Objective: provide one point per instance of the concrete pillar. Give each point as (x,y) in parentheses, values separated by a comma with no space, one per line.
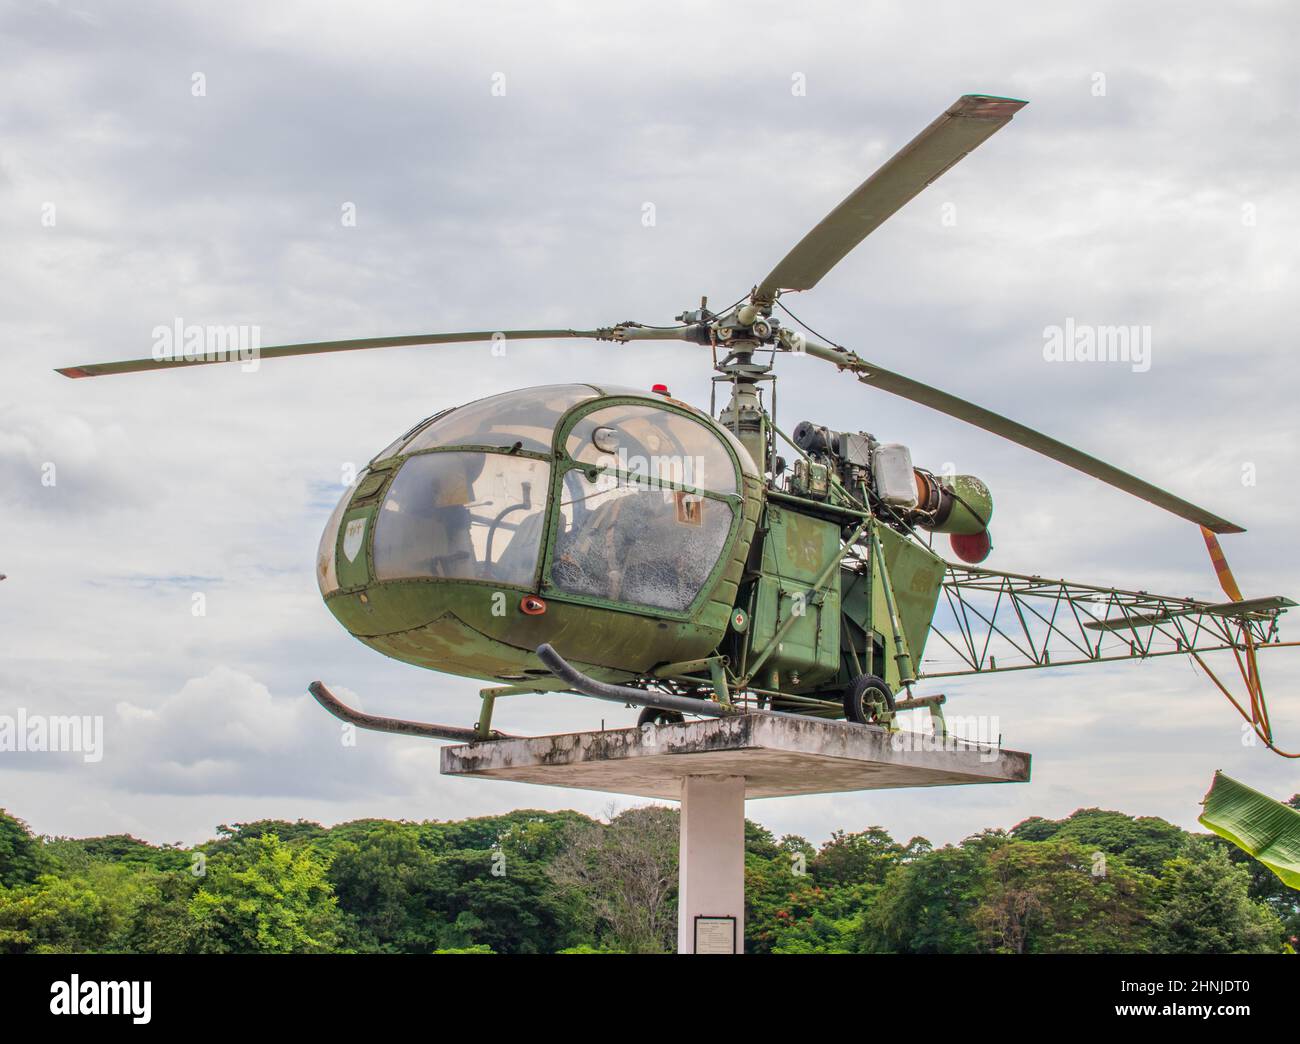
(711,857)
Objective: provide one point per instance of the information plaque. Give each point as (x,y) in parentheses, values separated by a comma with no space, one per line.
(715,934)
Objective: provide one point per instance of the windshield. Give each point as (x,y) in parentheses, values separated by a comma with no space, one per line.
(463,515)
(628,543)
(625,529)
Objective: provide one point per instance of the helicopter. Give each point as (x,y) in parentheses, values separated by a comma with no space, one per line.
(626,545)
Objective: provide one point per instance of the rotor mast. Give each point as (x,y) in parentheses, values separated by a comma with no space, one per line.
(740,333)
(744,415)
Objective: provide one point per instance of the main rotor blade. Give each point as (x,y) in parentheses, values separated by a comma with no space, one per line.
(622,332)
(970,121)
(897,384)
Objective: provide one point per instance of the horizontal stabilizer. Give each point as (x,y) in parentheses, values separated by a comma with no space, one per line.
(1251,608)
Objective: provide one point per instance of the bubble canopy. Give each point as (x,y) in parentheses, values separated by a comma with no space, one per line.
(528,416)
(601,494)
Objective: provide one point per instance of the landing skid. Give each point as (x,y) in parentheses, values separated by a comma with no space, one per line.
(376,723)
(578,682)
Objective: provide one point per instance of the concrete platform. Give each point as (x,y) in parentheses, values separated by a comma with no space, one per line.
(778,756)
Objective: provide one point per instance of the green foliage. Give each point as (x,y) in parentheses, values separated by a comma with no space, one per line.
(928,905)
(104,909)
(432,887)
(241,835)
(1206,907)
(620,881)
(520,829)
(476,898)
(780,895)
(587,948)
(1266,888)
(267,898)
(380,880)
(1145,842)
(559,882)
(865,857)
(1057,897)
(760,841)
(122,849)
(1001,894)
(21,858)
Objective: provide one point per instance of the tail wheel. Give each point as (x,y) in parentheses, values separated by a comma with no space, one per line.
(658,716)
(868,701)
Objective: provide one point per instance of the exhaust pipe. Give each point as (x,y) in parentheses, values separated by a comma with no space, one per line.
(588,686)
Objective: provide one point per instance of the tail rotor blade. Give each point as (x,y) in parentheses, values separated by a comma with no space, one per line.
(1226,580)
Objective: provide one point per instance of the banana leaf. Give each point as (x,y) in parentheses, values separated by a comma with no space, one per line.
(1255,823)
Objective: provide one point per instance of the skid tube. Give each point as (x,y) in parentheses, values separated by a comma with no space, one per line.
(401,726)
(566,672)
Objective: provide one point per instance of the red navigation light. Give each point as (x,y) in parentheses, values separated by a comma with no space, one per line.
(660,389)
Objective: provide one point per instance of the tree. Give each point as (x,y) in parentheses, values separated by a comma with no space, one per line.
(997,893)
(780,896)
(131,851)
(1206,907)
(21,858)
(926,906)
(265,898)
(98,910)
(380,881)
(544,882)
(862,858)
(1052,897)
(161,922)
(540,836)
(1145,842)
(760,841)
(625,876)
(800,900)
(488,832)
(491,898)
(246,835)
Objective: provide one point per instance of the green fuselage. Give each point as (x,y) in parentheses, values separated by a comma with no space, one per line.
(464,551)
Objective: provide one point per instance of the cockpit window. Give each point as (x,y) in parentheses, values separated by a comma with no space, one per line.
(654,446)
(327,575)
(527,417)
(468,516)
(628,543)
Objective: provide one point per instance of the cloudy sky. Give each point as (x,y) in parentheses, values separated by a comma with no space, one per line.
(162,162)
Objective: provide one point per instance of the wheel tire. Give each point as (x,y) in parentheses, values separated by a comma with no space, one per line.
(863,699)
(658,716)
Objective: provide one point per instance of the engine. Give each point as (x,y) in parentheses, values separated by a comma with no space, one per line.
(882,475)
